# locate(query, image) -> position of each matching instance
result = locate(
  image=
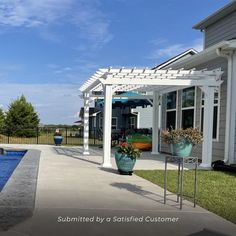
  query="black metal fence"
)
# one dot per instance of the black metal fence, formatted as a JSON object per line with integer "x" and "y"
{"x": 71, "y": 135}
{"x": 44, "y": 135}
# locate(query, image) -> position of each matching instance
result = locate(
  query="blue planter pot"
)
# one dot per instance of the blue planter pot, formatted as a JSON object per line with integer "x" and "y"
{"x": 58, "y": 140}
{"x": 125, "y": 164}
{"x": 181, "y": 149}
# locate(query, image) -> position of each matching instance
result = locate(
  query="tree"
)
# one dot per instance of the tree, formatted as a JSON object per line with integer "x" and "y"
{"x": 21, "y": 119}
{"x": 2, "y": 119}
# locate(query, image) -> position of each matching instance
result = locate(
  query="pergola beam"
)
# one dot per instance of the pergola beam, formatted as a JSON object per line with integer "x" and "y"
{"x": 160, "y": 82}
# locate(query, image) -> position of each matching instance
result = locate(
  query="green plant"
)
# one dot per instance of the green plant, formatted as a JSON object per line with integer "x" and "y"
{"x": 21, "y": 119}
{"x": 127, "y": 149}
{"x": 190, "y": 135}
{"x": 142, "y": 138}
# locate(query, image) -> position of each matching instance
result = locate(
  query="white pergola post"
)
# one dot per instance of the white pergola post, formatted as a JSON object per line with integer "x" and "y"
{"x": 86, "y": 124}
{"x": 207, "y": 126}
{"x": 155, "y": 123}
{"x": 107, "y": 126}
{"x": 230, "y": 111}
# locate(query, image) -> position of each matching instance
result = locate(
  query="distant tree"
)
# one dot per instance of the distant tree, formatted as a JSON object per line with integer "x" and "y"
{"x": 2, "y": 119}
{"x": 21, "y": 119}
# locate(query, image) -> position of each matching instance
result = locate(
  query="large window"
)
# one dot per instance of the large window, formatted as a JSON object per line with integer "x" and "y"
{"x": 215, "y": 114}
{"x": 171, "y": 110}
{"x": 188, "y": 107}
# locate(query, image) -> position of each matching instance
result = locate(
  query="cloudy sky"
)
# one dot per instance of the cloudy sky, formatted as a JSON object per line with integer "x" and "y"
{"x": 48, "y": 48}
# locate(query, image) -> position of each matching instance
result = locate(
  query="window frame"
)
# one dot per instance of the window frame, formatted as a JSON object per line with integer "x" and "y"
{"x": 130, "y": 123}
{"x": 171, "y": 110}
{"x": 188, "y": 108}
{"x": 218, "y": 114}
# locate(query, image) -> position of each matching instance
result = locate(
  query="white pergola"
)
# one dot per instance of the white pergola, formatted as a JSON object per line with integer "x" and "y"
{"x": 106, "y": 82}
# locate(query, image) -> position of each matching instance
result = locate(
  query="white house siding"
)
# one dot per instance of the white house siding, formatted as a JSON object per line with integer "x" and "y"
{"x": 223, "y": 29}
{"x": 145, "y": 116}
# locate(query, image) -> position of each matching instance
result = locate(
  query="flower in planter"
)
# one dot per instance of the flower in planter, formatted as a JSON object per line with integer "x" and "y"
{"x": 128, "y": 150}
{"x": 190, "y": 135}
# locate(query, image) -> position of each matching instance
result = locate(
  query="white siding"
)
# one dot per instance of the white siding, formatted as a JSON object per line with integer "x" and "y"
{"x": 145, "y": 116}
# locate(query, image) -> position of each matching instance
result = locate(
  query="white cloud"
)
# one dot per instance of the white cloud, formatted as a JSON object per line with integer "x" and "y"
{"x": 91, "y": 23}
{"x": 31, "y": 13}
{"x": 55, "y": 103}
{"x": 173, "y": 50}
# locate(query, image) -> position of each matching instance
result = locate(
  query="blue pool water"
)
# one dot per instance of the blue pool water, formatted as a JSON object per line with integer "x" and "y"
{"x": 8, "y": 163}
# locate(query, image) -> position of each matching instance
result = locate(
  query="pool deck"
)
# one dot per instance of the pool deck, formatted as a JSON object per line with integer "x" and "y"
{"x": 72, "y": 185}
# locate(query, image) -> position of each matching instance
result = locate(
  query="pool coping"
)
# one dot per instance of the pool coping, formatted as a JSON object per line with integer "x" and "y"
{"x": 17, "y": 198}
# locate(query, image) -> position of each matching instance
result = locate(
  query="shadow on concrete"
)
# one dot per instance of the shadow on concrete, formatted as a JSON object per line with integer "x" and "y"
{"x": 207, "y": 232}
{"x": 73, "y": 153}
{"x": 144, "y": 193}
{"x": 110, "y": 170}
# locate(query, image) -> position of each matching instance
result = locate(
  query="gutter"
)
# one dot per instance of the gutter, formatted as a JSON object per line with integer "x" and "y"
{"x": 228, "y": 56}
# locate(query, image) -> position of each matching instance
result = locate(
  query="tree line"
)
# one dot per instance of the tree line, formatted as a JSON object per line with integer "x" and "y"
{"x": 20, "y": 120}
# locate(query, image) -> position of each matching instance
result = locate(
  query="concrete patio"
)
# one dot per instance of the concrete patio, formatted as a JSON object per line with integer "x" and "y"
{"x": 74, "y": 186}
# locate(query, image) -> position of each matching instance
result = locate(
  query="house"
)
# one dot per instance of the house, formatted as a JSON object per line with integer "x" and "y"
{"x": 124, "y": 116}
{"x": 185, "y": 108}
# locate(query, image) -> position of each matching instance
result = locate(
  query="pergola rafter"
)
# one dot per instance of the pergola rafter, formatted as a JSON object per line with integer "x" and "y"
{"x": 108, "y": 81}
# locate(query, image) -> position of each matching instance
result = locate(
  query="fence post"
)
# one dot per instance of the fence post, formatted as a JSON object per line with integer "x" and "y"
{"x": 37, "y": 133}
{"x": 66, "y": 135}
{"x": 94, "y": 137}
{"x": 8, "y": 137}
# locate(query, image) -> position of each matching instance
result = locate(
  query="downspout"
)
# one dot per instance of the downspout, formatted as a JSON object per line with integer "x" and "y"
{"x": 228, "y": 56}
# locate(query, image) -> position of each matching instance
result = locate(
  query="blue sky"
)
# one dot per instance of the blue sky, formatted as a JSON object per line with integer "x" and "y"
{"x": 48, "y": 48}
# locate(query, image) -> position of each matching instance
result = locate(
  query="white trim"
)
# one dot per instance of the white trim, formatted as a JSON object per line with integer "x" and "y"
{"x": 138, "y": 119}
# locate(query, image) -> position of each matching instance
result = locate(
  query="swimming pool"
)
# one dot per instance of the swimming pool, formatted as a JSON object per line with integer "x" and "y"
{"x": 8, "y": 163}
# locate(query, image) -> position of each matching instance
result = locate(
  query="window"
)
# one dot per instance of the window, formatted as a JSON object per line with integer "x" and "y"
{"x": 114, "y": 123}
{"x": 215, "y": 114}
{"x": 171, "y": 99}
{"x": 188, "y": 107}
{"x": 132, "y": 124}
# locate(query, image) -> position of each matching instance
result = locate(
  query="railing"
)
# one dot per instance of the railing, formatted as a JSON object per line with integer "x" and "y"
{"x": 44, "y": 135}
{"x": 71, "y": 136}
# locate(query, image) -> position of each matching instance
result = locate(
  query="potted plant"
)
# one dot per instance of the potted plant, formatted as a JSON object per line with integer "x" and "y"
{"x": 58, "y": 137}
{"x": 182, "y": 140}
{"x": 125, "y": 157}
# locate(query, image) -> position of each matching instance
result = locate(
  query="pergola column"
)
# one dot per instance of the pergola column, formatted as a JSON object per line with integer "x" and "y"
{"x": 207, "y": 126}
{"x": 230, "y": 111}
{"x": 86, "y": 124}
{"x": 155, "y": 123}
{"x": 107, "y": 126}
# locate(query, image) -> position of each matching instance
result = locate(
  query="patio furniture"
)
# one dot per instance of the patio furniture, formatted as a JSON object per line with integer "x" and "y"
{"x": 181, "y": 161}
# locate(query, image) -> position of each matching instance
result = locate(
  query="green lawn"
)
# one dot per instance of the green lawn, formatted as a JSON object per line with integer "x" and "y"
{"x": 216, "y": 190}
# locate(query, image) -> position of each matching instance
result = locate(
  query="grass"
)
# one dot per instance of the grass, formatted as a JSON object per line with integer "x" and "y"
{"x": 216, "y": 190}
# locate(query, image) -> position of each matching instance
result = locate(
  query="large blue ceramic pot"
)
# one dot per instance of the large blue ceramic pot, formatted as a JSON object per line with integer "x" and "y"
{"x": 181, "y": 149}
{"x": 125, "y": 164}
{"x": 58, "y": 140}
